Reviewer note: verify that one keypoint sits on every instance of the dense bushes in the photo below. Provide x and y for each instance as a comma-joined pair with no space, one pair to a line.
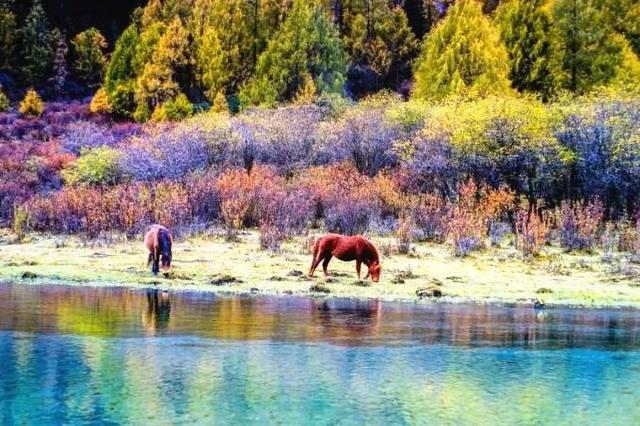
454,171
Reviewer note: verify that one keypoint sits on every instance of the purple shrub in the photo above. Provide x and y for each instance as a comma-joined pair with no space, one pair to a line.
432,167
350,215
579,223
85,134
284,137
365,137
169,153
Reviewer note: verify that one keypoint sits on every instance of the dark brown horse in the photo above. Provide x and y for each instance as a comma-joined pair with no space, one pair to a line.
345,248
158,241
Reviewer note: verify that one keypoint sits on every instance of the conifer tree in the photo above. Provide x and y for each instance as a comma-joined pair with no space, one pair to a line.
624,18
305,44
220,103
7,35
120,75
60,68
90,61
527,31
37,51
223,37
378,38
158,82
462,55
591,50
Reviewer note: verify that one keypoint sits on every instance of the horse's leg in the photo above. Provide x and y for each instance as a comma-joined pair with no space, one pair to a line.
150,259
325,264
314,264
358,264
156,262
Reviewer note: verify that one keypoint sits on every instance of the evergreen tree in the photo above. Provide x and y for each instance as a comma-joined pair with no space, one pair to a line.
120,75
380,44
37,51
158,82
624,17
90,61
146,45
60,69
462,55
224,45
7,35
591,50
305,44
527,31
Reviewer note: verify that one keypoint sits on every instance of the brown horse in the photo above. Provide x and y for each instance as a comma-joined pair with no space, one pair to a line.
345,248
158,240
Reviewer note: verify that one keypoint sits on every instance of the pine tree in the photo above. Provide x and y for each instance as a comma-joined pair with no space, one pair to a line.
100,103
7,35
90,61
624,18
462,55
591,50
31,105
379,39
306,93
146,45
37,52
305,44
158,82
120,75
527,31
60,68
220,103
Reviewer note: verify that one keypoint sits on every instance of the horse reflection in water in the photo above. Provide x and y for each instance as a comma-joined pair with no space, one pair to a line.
155,318
348,320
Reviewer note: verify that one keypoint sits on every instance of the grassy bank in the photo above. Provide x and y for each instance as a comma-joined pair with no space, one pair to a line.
213,264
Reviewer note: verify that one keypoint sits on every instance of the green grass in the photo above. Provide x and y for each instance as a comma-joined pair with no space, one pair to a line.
213,264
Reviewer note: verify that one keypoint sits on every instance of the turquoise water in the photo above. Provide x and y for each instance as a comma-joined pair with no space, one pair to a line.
71,355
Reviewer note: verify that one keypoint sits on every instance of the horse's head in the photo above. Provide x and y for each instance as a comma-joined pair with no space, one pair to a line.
164,240
374,271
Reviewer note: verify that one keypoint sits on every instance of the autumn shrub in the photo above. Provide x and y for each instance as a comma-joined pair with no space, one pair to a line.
31,105
470,215
342,196
430,216
404,234
578,224
97,166
283,212
532,230
239,192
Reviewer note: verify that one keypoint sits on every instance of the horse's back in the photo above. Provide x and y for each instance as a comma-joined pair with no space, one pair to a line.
151,237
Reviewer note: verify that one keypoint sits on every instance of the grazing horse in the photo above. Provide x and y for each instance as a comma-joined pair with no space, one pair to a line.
158,240
345,248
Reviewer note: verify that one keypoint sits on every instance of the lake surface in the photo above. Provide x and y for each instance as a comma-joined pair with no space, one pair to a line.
77,355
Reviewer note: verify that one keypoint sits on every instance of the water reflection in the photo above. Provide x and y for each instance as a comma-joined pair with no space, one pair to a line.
155,318
129,313
117,356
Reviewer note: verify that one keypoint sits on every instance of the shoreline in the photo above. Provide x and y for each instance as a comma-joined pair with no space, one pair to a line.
493,276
